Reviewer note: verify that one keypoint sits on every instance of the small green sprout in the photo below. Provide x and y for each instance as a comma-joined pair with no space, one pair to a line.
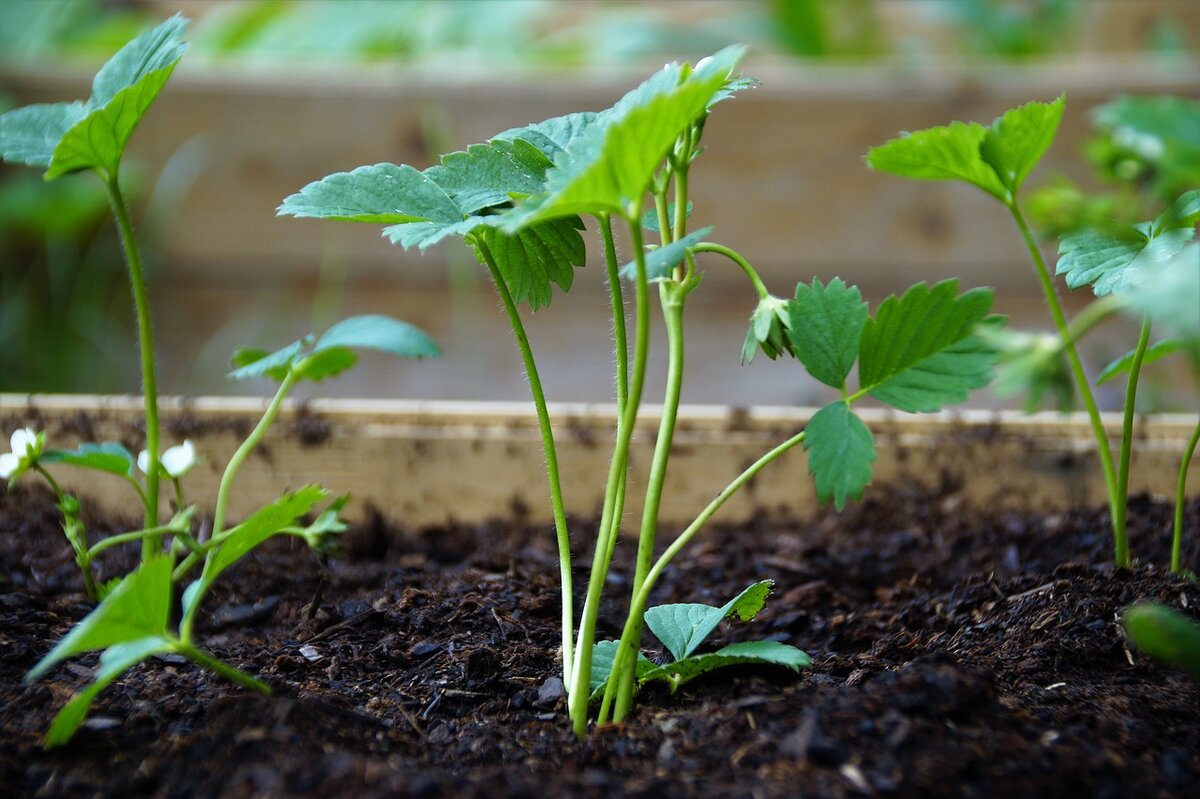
1164,634
519,202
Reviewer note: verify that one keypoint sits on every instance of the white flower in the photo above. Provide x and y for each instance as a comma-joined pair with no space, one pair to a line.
26,446
176,461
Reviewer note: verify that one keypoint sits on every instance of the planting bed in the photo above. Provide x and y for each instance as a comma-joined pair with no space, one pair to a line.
956,652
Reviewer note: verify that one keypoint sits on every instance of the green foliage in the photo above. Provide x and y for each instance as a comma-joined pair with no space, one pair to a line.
1170,299
661,261
841,451
1154,352
1154,141
921,351
315,358
683,627
996,159
134,610
1116,259
109,457
825,328
1165,635
68,137
744,653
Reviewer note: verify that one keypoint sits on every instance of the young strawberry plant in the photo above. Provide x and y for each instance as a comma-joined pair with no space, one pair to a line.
518,201
1113,260
132,622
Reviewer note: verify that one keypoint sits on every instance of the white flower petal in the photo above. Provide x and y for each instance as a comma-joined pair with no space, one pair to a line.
9,463
179,459
144,461
23,440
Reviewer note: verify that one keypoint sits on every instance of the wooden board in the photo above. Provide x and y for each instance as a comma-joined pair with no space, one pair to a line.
428,463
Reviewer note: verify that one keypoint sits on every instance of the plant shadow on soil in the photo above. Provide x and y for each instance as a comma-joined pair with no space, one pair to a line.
956,653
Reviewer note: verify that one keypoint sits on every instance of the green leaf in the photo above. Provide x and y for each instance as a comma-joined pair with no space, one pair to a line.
661,260
98,140
153,51
683,627
920,352
490,174
650,218
1118,259
109,457
134,610
537,256
770,653
1165,635
553,135
610,164
826,324
841,451
115,661
327,363
1154,352
383,193
261,525
949,152
257,363
1172,299
1019,138
29,135
381,333
603,655
1184,213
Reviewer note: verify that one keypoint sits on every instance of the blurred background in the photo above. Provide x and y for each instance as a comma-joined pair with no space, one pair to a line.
274,94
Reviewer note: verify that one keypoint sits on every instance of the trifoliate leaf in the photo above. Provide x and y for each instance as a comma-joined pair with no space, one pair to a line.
826,324
259,363
115,661
920,352
1153,353
841,451
1119,258
610,164
488,175
1164,634
329,362
683,627
537,256
770,653
109,457
134,610
1019,138
949,152
661,260
383,193
378,332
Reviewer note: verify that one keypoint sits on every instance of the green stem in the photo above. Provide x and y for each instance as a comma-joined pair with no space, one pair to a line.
739,260
136,535
577,695
673,303
202,658
1127,418
627,648
1085,390
137,282
1093,314
551,454
621,358
222,504
58,493
1180,500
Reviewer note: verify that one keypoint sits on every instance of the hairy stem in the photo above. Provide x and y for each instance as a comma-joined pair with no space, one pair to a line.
222,504
1181,500
580,683
625,657
550,452
137,283
1103,447
673,303
1127,419
621,358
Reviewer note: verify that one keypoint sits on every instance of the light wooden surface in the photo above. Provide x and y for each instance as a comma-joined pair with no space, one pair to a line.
428,463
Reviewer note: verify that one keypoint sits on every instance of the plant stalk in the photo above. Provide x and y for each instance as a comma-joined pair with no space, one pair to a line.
137,283
1127,420
202,658
562,533
1120,543
733,255
625,657
1181,500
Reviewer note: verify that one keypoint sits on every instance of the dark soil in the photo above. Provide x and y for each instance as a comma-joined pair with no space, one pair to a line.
954,654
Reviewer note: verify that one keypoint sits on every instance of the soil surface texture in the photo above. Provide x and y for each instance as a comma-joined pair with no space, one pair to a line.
955,653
